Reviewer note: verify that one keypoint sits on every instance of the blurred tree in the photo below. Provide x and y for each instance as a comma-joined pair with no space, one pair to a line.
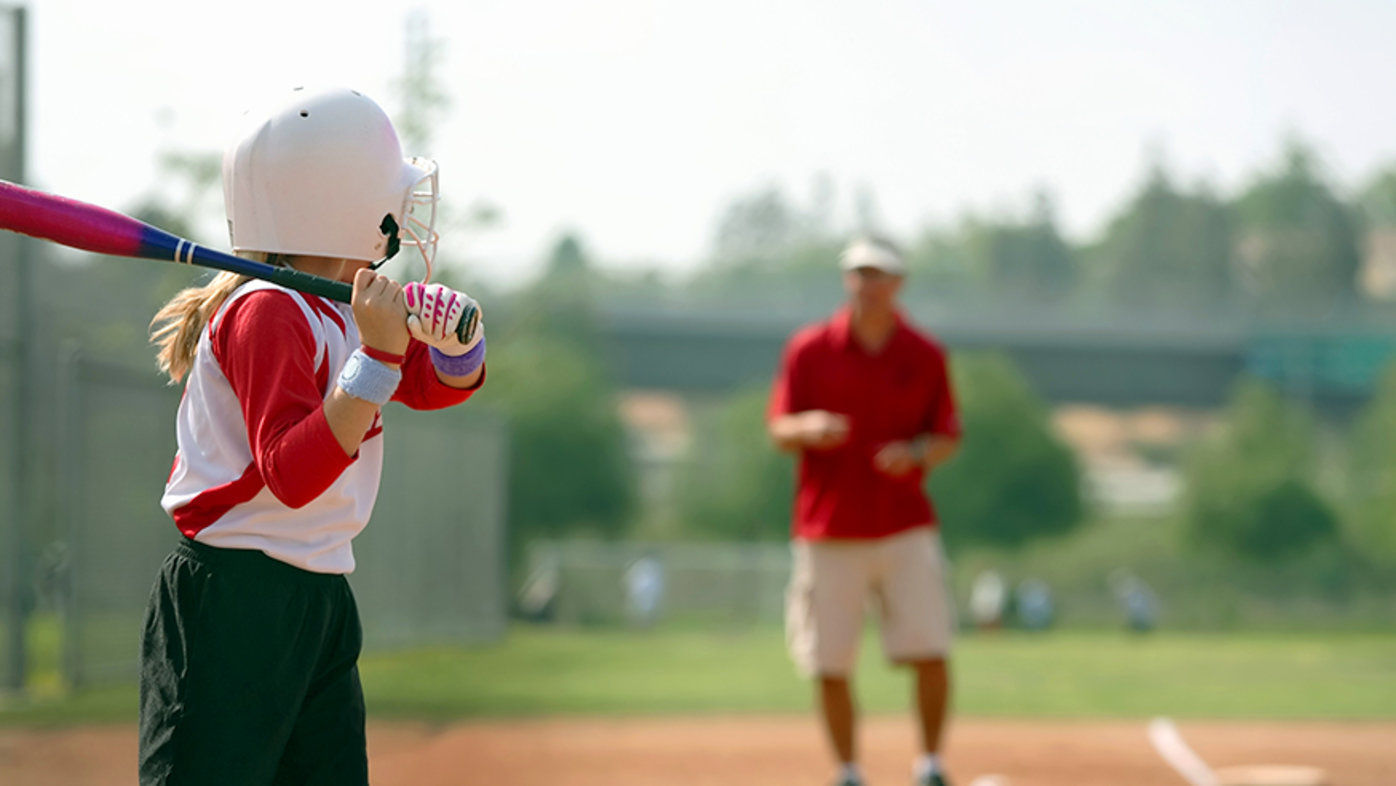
424,99
1167,249
651,286
1013,480
1248,492
1372,475
107,302
1376,205
560,303
867,217
756,230
1377,200
1023,261
941,267
736,486
820,218
569,469
192,186
186,194
770,249
1297,243
1289,513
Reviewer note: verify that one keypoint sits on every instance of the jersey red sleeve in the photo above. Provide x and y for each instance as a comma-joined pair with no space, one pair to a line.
420,388
266,349
942,416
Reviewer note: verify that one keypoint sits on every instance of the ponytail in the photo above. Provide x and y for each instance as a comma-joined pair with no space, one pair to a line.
176,328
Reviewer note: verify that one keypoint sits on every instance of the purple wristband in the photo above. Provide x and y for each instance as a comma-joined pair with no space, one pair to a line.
459,365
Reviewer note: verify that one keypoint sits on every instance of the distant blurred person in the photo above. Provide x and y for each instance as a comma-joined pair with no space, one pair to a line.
1034,604
538,598
1141,608
1137,601
644,590
864,400
988,597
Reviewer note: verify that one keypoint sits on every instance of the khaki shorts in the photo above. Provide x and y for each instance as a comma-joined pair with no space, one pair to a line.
832,582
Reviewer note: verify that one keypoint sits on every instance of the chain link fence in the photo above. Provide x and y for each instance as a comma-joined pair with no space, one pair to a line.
13,606
11,634
116,441
594,583
430,565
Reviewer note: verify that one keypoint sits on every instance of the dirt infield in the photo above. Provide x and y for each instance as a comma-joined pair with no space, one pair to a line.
755,751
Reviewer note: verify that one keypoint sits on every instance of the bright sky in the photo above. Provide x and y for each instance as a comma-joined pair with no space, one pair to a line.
637,121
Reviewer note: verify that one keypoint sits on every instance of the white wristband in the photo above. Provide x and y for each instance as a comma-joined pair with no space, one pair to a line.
370,380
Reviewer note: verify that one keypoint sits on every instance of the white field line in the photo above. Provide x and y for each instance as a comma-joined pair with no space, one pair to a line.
1170,745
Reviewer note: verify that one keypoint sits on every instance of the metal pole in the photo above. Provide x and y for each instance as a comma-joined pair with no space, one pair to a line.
23,403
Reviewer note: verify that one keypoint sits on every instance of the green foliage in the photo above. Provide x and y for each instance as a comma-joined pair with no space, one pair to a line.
1287,243
1291,516
569,469
1025,260
1249,493
769,247
1013,480
758,227
941,266
737,486
550,673
1063,674
1377,202
420,87
1167,248
561,302
1372,475
1298,242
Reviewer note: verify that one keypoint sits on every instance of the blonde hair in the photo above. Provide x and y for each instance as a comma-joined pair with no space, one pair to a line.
176,327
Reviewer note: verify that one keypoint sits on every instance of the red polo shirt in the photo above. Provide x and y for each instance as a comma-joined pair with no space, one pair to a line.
899,393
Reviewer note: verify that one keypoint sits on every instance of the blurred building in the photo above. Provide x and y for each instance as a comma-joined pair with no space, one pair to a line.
1130,458
659,427
1379,264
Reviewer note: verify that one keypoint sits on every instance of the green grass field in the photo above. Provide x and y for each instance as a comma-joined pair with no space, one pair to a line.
1059,674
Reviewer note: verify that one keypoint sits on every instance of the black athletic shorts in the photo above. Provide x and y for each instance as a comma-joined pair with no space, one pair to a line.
249,674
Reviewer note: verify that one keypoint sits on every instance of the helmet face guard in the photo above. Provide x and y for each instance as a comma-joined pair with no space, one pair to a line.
417,226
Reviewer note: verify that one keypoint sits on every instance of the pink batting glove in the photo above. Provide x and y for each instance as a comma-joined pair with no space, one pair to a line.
433,313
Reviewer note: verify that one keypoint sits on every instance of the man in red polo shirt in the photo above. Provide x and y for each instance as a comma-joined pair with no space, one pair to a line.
864,400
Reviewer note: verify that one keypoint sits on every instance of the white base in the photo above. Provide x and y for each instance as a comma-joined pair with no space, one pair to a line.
1271,775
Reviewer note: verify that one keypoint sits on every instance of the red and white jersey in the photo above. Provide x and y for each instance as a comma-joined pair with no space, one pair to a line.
257,466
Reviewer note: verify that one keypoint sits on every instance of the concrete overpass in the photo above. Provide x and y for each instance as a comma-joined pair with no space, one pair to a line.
1116,362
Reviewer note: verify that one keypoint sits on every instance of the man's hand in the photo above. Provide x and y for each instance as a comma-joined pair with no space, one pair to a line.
812,429
822,430
898,459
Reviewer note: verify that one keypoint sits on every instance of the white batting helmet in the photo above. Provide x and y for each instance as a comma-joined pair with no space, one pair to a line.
321,173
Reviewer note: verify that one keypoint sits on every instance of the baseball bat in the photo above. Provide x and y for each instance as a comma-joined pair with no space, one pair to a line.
69,222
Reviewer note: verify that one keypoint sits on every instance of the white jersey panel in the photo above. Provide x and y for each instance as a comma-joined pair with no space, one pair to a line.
214,451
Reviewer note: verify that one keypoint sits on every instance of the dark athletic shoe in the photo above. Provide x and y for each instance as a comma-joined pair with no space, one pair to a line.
934,779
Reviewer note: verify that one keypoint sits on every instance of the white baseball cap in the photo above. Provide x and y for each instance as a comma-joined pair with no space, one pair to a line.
870,252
